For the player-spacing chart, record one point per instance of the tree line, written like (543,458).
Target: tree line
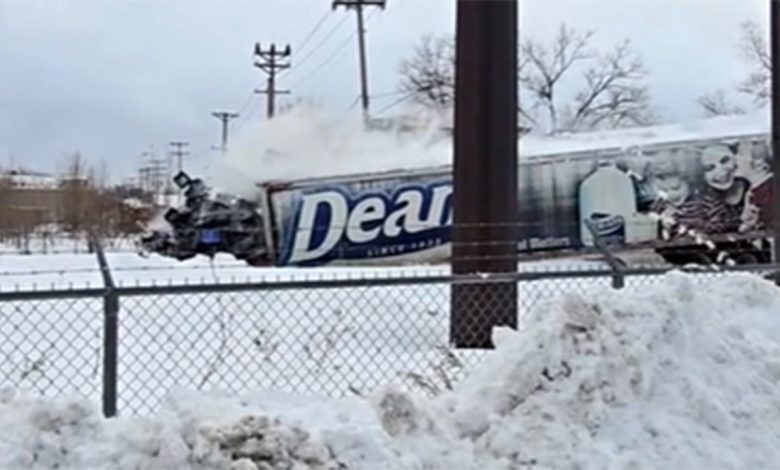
(79,204)
(566,84)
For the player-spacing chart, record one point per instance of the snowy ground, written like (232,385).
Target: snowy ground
(41,244)
(679,374)
(333,342)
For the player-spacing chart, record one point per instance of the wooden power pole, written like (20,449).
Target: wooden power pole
(485,170)
(224,118)
(271,61)
(358,5)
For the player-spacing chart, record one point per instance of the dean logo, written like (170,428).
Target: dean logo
(332,222)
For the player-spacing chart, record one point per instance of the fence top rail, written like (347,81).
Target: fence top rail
(364,281)
(51,294)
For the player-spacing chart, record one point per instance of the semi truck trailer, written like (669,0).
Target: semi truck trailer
(696,193)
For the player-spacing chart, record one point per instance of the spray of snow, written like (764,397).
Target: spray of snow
(678,375)
(309,141)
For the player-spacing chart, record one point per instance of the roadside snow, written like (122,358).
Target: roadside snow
(677,375)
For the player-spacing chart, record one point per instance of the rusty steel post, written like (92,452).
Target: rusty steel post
(485,169)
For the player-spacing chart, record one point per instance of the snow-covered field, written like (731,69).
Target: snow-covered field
(328,341)
(331,341)
(681,373)
(41,244)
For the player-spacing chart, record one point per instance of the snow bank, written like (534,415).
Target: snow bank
(677,375)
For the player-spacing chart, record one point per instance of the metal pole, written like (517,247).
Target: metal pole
(774,47)
(362,52)
(485,192)
(110,333)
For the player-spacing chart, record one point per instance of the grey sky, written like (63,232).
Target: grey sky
(110,78)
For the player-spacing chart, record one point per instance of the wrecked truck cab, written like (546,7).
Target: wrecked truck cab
(207,225)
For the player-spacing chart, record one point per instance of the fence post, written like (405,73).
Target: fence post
(618,278)
(110,333)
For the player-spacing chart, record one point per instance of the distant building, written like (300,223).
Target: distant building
(37,202)
(28,199)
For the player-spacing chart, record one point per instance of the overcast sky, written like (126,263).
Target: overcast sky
(110,78)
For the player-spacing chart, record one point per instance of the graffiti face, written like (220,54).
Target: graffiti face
(668,181)
(759,159)
(720,166)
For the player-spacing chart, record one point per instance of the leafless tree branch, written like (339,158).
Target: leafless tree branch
(755,51)
(428,76)
(547,65)
(612,95)
(715,104)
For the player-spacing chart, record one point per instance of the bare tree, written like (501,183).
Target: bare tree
(545,66)
(610,92)
(716,104)
(613,95)
(428,76)
(755,51)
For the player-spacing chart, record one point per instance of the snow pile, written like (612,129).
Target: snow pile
(677,375)
(35,433)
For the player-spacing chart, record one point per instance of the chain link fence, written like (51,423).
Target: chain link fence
(334,337)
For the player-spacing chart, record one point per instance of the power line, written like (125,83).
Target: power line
(386,95)
(322,42)
(378,96)
(395,103)
(332,56)
(354,103)
(316,69)
(312,32)
(248,101)
(244,119)
(244,116)
(290,14)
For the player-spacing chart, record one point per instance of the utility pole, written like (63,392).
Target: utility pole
(485,171)
(774,48)
(153,173)
(270,65)
(358,5)
(178,151)
(225,118)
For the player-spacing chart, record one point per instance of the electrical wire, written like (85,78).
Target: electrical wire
(322,42)
(395,103)
(311,33)
(333,55)
(325,62)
